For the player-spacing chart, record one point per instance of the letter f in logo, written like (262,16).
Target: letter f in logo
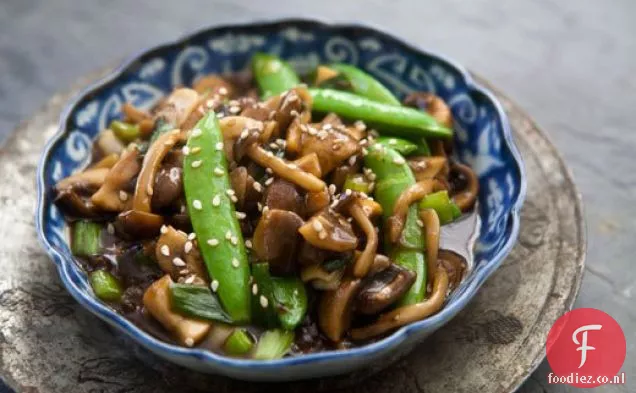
(583,344)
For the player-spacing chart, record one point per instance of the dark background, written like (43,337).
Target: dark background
(569,63)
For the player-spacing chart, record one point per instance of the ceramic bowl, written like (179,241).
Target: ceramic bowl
(483,139)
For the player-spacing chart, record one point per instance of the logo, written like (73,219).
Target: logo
(585,347)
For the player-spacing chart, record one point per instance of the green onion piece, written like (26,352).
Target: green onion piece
(86,238)
(291,301)
(356,182)
(400,145)
(238,343)
(197,302)
(126,132)
(105,285)
(273,344)
(439,201)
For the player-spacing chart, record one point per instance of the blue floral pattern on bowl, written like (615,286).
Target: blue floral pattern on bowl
(483,139)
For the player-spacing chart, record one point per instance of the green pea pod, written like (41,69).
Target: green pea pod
(400,145)
(206,183)
(393,176)
(422,148)
(447,211)
(291,301)
(105,285)
(263,305)
(392,119)
(364,84)
(272,74)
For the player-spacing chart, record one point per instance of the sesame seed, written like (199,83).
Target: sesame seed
(185,150)
(230,191)
(196,132)
(219,146)
(332,189)
(359,125)
(235,263)
(196,149)
(392,141)
(218,171)
(259,206)
(165,250)
(257,186)
(273,145)
(234,199)
(149,190)
(248,243)
(420,223)
(190,279)
(348,192)
(322,235)
(240,215)
(269,170)
(220,115)
(244,134)
(189,341)
(168,143)
(234,240)
(197,204)
(317,226)
(327,127)
(192,236)
(269,181)
(265,209)
(254,289)
(292,166)
(228,235)
(264,301)
(214,285)
(234,109)
(196,164)
(187,247)
(209,103)
(178,262)
(398,160)
(322,135)
(293,112)
(352,160)
(123,195)
(164,229)
(365,151)
(270,154)
(216,201)
(222,90)
(312,131)
(213,242)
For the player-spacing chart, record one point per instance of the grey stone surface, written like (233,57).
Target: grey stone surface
(568,63)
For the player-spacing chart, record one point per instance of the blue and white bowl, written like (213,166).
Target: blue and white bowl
(483,139)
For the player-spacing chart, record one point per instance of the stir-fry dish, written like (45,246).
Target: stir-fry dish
(262,215)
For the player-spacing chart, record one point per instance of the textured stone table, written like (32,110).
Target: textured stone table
(568,63)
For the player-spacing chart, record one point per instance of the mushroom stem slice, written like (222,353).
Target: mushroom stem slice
(336,309)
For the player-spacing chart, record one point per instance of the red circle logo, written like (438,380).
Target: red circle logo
(585,348)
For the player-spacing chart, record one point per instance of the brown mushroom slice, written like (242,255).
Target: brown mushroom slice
(178,106)
(324,73)
(409,196)
(329,231)
(285,170)
(108,143)
(316,201)
(246,192)
(310,163)
(110,196)
(134,114)
(430,219)
(407,314)
(455,265)
(311,255)
(384,288)
(152,160)
(465,199)
(332,146)
(380,262)
(90,178)
(73,205)
(339,175)
(364,261)
(233,126)
(213,84)
(179,257)
(336,309)
(284,195)
(157,301)
(428,167)
(332,119)
(432,104)
(320,278)
(291,103)
(294,137)
(276,240)
(168,186)
(137,224)
(370,207)
(106,162)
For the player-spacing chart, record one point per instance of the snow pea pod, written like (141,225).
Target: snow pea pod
(392,119)
(393,176)
(402,146)
(272,74)
(364,85)
(207,190)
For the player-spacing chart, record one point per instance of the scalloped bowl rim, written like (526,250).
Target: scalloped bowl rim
(390,342)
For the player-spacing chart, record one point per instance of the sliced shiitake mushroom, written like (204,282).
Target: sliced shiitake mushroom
(384,288)
(276,240)
(336,308)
